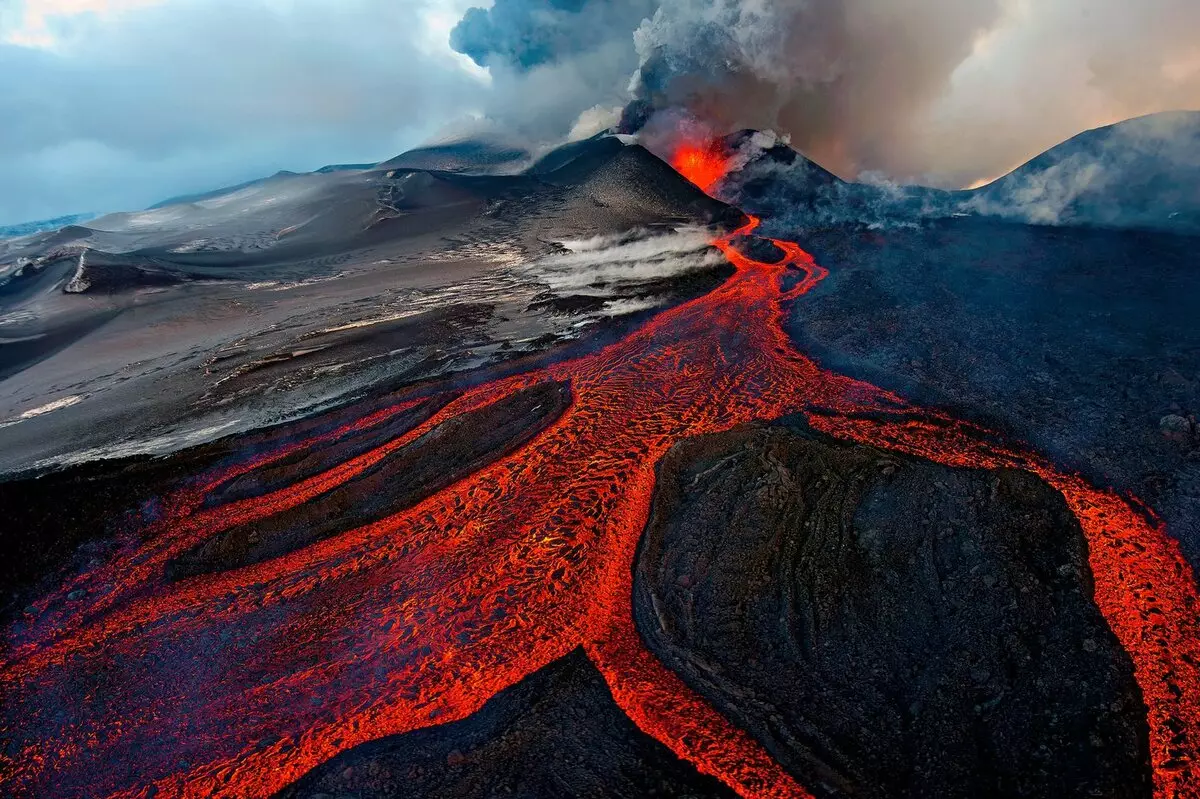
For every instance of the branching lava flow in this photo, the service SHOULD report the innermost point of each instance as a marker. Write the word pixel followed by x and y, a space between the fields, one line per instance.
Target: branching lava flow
pixel 237 683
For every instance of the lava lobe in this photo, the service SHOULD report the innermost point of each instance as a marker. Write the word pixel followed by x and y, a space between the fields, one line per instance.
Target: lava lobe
pixel 886 625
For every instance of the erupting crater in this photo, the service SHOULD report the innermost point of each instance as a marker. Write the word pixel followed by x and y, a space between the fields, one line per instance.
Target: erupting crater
pixel 236 683
pixel 704 164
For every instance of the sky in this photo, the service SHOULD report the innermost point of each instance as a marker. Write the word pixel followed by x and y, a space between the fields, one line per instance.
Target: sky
pixel 117 104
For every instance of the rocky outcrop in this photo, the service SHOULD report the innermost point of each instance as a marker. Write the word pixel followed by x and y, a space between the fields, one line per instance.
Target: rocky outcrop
pixel 886 626
pixel 101 272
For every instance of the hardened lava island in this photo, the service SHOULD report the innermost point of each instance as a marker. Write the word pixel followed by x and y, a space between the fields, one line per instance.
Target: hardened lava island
pixel 469 474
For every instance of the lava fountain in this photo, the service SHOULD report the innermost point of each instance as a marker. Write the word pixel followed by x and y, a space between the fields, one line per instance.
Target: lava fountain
pixel 237 683
pixel 704 164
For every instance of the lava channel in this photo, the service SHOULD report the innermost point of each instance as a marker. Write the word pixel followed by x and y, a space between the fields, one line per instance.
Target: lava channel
pixel 237 683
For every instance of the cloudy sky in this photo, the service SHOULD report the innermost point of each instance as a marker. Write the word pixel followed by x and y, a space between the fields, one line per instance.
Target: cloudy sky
pixel 116 104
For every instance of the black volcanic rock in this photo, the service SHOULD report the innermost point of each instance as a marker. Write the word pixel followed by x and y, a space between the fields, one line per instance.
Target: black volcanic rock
pixel 101 272
pixel 762 149
pixel 314 459
pixel 791 192
pixel 885 626
pixel 1141 173
pixel 557 733
pixel 1074 340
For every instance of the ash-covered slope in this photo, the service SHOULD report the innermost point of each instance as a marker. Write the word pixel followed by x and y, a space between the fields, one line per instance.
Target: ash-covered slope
pixel 246 305
pixel 467 156
pixel 291 217
pixel 1142 173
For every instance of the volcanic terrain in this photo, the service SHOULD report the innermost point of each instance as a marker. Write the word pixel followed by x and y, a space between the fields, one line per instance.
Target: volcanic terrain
pixel 472 474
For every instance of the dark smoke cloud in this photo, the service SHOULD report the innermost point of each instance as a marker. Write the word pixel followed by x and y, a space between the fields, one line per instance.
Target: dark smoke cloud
pixel 846 79
pixel 522 34
pixel 945 92
pixel 557 66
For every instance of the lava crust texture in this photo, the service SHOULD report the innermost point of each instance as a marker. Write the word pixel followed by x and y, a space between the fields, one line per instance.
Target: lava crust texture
pixel 886 625
pixel 556 733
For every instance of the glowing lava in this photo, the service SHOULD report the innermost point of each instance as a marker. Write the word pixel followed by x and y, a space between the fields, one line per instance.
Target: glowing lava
pixel 235 684
pixel 702 164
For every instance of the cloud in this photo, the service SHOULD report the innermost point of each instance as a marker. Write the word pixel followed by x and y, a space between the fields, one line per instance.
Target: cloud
pixel 35 23
pixel 124 106
pixel 553 61
pixel 938 91
pixel 1049 70
pixel 522 34
pixel 115 104
pixel 945 92
pixel 845 78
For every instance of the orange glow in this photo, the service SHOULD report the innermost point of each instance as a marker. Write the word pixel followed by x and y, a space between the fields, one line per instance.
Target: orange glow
pixel 702 164
pixel 237 683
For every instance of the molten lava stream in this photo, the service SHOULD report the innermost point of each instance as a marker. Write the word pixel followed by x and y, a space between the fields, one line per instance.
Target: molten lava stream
pixel 235 684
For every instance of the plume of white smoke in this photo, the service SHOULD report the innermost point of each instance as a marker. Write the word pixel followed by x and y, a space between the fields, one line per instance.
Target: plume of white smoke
pixel 1140 173
pixel 595 266
pixel 944 92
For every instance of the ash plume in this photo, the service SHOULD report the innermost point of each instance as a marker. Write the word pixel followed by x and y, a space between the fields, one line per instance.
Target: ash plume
pixel 844 79
pixel 941 92
pixel 558 66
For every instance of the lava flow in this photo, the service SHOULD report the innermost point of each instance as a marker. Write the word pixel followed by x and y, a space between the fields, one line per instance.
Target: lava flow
pixel 237 683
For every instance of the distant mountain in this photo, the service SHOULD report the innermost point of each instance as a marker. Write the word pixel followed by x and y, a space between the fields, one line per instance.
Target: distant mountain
pixel 1142 173
pixel 469 156
pixel 202 196
pixel 342 168
pixel 29 228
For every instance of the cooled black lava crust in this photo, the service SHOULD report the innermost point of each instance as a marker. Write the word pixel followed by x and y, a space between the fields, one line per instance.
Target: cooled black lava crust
pixel 886 626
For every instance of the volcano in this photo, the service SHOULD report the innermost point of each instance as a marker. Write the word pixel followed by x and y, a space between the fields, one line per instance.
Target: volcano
pixel 574 481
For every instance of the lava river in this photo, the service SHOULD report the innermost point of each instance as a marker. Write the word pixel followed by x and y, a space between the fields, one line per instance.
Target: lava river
pixel 237 683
